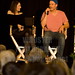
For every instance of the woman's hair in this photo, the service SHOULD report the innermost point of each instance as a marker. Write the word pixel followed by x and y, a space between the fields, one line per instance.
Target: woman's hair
pixel 13 5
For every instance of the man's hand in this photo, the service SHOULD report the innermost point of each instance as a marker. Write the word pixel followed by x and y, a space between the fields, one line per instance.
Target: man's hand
pixel 47 11
pixel 61 29
pixel 20 27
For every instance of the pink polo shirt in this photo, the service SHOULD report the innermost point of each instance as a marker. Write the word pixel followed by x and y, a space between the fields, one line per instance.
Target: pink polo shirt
pixel 54 22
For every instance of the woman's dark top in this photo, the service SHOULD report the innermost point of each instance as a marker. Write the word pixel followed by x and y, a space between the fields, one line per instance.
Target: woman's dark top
pixel 16 19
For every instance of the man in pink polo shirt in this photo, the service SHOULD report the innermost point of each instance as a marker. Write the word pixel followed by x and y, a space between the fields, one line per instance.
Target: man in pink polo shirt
pixel 54 22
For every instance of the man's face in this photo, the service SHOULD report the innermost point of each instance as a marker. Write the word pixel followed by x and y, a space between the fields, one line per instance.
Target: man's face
pixel 52 5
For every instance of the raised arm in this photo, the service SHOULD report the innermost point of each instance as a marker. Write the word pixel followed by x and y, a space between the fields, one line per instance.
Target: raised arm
pixel 44 17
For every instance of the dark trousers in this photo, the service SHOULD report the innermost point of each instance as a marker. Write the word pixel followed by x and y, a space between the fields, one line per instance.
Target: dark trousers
pixel 49 35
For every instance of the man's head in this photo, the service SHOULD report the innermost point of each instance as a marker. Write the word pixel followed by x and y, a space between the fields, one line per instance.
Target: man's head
pixel 53 4
pixel 55 1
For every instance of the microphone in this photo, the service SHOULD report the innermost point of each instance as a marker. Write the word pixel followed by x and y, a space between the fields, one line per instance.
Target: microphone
pixel 48 9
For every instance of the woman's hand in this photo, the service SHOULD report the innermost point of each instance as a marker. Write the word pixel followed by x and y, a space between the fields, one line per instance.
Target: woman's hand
pixel 20 27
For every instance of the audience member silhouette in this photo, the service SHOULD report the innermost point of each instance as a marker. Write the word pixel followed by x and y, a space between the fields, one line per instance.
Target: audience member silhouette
pixel 36 68
pixel 59 67
pixel 36 55
pixel 5 57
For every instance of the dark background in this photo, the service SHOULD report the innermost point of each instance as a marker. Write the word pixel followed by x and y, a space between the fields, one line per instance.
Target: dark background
pixel 35 8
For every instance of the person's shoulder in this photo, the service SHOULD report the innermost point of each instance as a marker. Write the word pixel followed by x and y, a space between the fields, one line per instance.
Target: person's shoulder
pixel 61 12
pixel 20 13
pixel 10 12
